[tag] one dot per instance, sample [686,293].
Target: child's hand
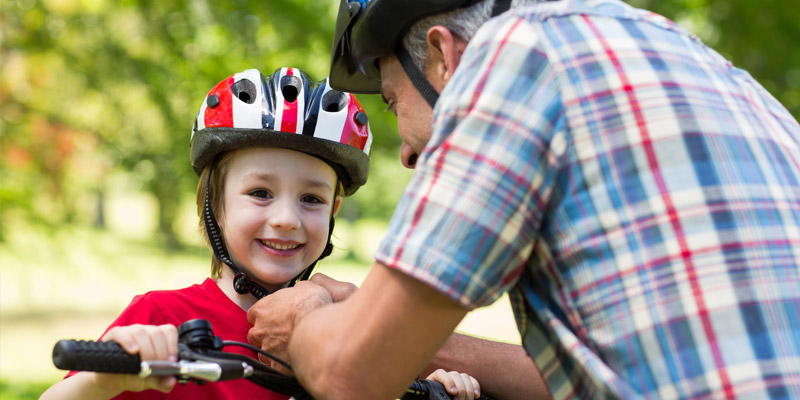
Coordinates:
[151,342]
[461,386]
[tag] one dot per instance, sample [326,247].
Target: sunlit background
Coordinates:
[97,100]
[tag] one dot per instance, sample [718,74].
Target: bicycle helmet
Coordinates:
[367,30]
[287,110]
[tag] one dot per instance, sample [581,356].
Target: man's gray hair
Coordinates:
[462,22]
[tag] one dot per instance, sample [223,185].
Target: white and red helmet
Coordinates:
[287,110]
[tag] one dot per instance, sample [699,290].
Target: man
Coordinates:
[637,196]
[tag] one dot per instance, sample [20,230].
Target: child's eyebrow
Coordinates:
[317,183]
[307,181]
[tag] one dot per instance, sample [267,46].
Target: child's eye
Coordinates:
[312,199]
[260,193]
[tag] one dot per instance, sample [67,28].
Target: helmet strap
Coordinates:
[417,77]
[241,282]
[500,6]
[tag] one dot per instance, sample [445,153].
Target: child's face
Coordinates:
[277,209]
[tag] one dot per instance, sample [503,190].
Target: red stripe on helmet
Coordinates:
[222,114]
[289,117]
[354,134]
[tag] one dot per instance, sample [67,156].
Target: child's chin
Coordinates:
[278,280]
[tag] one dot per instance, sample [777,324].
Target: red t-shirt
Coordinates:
[228,320]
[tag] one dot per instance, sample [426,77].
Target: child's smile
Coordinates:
[277,207]
[280,247]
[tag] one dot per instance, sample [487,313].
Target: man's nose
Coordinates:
[408,156]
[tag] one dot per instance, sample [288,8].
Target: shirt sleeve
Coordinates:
[142,310]
[468,221]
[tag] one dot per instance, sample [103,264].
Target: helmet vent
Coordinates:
[290,88]
[334,101]
[244,90]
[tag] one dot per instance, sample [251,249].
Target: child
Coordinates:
[275,156]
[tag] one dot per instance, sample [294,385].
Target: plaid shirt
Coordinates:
[637,195]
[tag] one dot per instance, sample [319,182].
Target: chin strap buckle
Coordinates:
[241,284]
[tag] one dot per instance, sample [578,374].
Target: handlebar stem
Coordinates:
[206,371]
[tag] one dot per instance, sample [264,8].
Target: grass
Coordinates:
[71,282]
[22,390]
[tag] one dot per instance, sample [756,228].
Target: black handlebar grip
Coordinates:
[85,355]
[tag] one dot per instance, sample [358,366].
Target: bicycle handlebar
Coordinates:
[110,357]
[199,360]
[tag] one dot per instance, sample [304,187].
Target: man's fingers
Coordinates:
[339,290]
[275,365]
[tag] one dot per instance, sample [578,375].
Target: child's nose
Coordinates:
[284,215]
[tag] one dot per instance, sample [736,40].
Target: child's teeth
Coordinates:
[279,246]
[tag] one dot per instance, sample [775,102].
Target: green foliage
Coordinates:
[378,198]
[92,90]
[758,36]
[22,390]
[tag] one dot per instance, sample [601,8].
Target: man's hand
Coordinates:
[339,290]
[274,317]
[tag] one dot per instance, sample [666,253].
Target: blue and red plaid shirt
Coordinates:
[636,194]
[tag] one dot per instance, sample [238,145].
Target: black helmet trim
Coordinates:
[210,142]
[366,31]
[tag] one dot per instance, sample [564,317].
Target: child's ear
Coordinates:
[336,203]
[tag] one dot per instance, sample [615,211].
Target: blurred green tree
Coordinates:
[91,89]
[759,36]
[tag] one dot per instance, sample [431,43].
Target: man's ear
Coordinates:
[444,54]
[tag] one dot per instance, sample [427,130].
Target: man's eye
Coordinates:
[390,107]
